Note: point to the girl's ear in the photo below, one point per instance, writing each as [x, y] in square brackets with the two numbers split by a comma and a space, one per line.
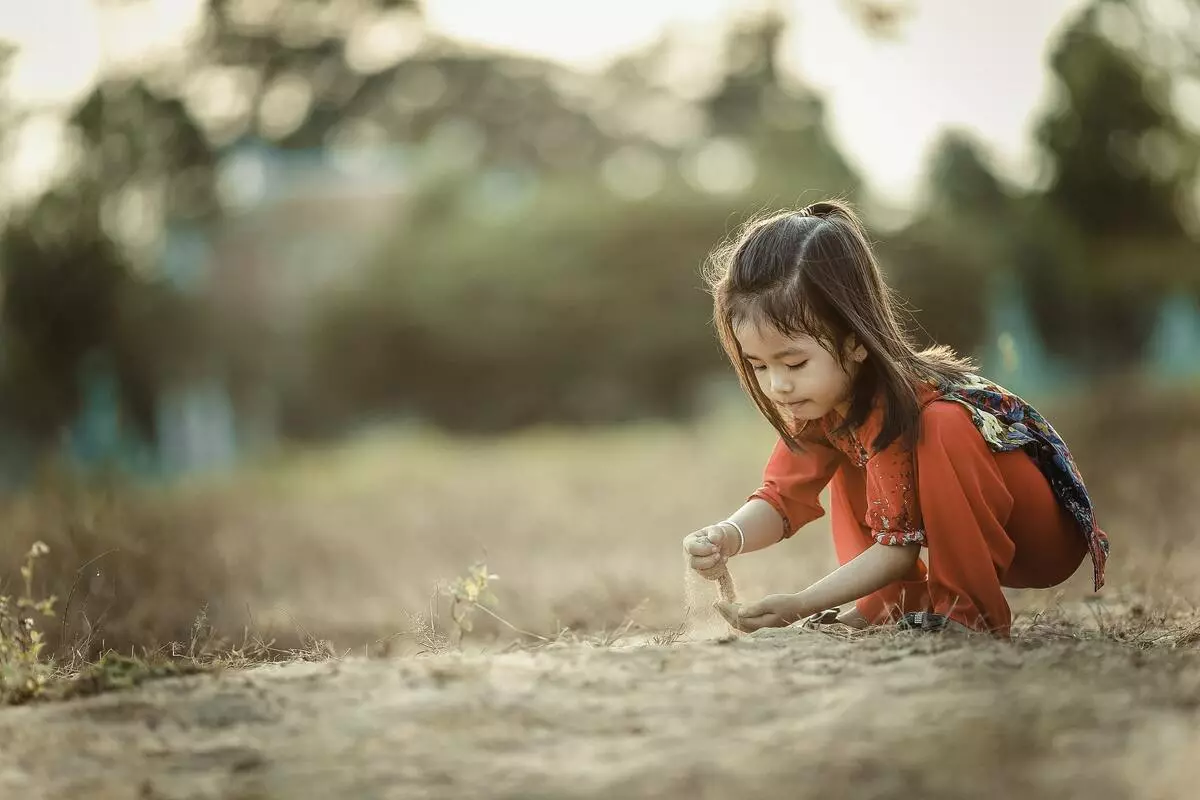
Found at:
[855, 351]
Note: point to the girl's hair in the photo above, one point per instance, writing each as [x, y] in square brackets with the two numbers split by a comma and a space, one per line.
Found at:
[812, 272]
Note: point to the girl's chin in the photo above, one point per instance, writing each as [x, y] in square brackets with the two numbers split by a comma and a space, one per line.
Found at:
[804, 411]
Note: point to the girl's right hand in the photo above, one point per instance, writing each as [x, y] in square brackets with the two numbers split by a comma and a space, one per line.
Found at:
[709, 548]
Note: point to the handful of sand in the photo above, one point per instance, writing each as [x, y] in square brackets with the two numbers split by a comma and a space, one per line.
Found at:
[725, 582]
[727, 601]
[725, 585]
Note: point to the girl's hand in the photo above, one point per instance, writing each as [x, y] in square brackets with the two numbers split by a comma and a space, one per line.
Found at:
[773, 611]
[709, 548]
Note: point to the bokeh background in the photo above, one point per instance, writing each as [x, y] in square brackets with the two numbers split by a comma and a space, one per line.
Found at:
[309, 305]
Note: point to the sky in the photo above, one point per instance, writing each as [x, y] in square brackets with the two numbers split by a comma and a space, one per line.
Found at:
[973, 65]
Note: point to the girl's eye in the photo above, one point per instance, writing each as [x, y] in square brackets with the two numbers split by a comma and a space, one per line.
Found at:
[758, 367]
[797, 366]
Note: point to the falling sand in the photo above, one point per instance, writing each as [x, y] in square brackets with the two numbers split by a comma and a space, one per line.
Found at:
[700, 618]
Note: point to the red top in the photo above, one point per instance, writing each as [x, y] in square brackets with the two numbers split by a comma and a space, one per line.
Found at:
[792, 482]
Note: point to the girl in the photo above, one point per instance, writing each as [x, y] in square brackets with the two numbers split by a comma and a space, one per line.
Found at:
[920, 451]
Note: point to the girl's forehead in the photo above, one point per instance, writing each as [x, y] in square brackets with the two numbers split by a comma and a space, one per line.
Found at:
[753, 335]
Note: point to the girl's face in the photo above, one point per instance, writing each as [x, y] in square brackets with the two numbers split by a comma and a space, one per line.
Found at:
[797, 373]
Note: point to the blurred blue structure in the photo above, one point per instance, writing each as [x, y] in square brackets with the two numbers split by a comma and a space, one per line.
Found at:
[1174, 352]
[99, 436]
[298, 220]
[1015, 356]
[197, 429]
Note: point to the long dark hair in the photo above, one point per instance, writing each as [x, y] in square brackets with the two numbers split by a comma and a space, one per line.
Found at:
[812, 272]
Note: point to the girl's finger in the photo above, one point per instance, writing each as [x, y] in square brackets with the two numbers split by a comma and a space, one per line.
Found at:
[753, 610]
[705, 562]
[701, 547]
[729, 611]
[751, 624]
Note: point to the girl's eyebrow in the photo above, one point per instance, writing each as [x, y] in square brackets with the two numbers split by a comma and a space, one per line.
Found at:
[787, 351]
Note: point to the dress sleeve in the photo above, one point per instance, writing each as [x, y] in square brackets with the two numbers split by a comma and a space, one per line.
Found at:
[793, 482]
[893, 509]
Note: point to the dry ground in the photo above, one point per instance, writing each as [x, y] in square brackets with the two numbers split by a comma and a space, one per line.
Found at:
[785, 714]
[1096, 697]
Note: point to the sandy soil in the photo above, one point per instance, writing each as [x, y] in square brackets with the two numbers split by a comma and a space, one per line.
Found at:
[786, 713]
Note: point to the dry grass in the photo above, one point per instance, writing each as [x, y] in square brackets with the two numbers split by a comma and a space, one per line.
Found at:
[346, 549]
[584, 530]
[129, 566]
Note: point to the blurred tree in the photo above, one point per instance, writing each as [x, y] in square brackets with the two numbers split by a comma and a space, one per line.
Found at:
[961, 180]
[777, 118]
[1114, 227]
[573, 303]
[881, 19]
[580, 310]
[78, 263]
[1108, 238]
[351, 73]
[153, 135]
[504, 139]
[943, 261]
[1110, 138]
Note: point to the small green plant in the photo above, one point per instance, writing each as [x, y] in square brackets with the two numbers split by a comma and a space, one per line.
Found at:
[23, 672]
[468, 593]
[472, 593]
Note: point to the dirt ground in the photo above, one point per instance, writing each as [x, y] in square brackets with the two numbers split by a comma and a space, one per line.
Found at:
[786, 713]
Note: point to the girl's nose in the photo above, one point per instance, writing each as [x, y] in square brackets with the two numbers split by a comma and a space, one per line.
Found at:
[780, 384]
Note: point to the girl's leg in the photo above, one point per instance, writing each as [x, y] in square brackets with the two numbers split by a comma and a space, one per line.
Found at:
[851, 536]
[967, 505]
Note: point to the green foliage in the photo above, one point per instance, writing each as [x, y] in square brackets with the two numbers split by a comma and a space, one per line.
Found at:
[585, 309]
[1109, 138]
[468, 593]
[1108, 239]
[23, 669]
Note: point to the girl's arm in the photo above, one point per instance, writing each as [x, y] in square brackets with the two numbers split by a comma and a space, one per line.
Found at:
[711, 546]
[792, 483]
[761, 523]
[788, 498]
[873, 569]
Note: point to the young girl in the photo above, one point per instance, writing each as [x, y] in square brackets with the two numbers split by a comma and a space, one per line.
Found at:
[920, 451]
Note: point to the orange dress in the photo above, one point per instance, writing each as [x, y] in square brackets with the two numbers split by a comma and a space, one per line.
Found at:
[989, 490]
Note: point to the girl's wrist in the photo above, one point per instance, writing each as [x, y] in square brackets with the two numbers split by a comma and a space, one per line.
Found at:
[801, 608]
[736, 536]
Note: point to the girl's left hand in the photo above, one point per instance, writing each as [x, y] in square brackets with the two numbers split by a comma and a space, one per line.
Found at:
[773, 611]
